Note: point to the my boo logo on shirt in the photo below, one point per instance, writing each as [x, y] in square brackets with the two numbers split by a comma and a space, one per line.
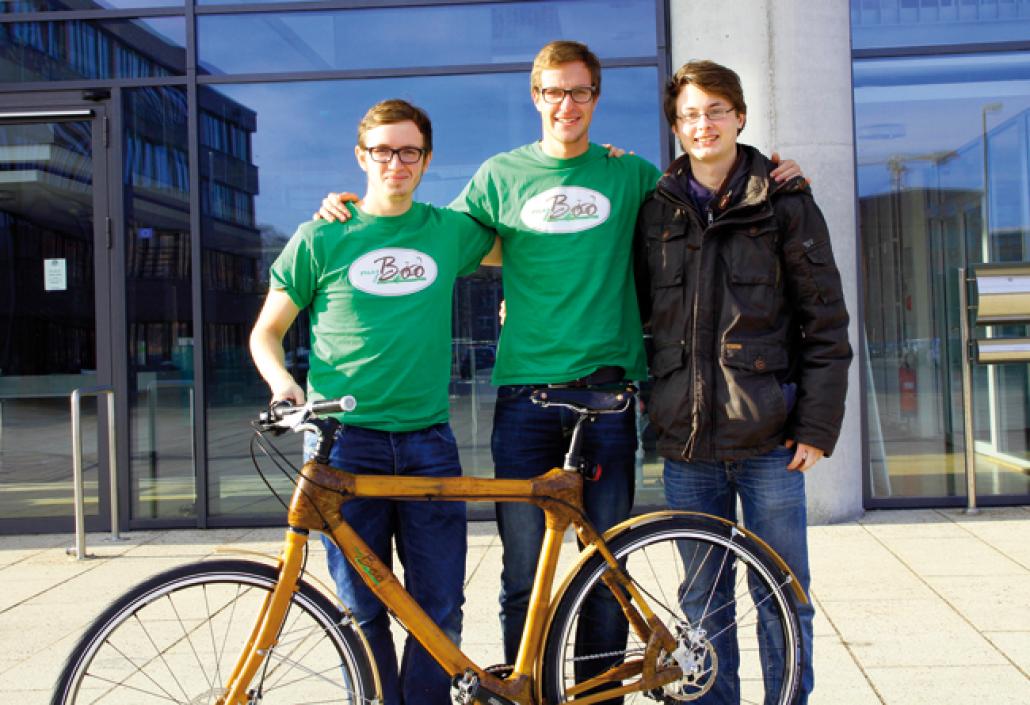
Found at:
[392, 271]
[565, 209]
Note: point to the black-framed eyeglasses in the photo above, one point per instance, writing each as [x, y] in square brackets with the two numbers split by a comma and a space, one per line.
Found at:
[692, 117]
[384, 155]
[579, 94]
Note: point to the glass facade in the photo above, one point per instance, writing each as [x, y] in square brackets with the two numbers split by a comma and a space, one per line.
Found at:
[221, 128]
[943, 183]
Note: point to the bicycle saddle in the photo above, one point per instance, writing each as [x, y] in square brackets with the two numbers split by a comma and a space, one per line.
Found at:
[586, 400]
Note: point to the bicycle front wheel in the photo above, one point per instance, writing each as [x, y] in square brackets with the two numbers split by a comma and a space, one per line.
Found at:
[176, 638]
[718, 591]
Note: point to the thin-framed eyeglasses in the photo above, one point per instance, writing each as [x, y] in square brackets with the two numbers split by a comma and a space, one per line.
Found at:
[384, 155]
[716, 114]
[579, 94]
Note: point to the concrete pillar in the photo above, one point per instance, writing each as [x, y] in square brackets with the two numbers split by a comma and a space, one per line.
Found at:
[794, 60]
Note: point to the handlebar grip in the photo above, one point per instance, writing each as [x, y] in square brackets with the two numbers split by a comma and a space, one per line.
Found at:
[332, 406]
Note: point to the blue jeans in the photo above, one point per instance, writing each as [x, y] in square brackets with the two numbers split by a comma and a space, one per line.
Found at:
[773, 502]
[431, 543]
[529, 440]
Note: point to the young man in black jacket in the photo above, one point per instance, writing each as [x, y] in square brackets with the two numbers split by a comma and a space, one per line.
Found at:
[744, 301]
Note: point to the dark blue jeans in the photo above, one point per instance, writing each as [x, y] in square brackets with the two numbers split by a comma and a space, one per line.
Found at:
[431, 544]
[527, 441]
[773, 502]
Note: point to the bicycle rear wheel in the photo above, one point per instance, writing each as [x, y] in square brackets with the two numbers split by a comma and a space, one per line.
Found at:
[720, 594]
[176, 638]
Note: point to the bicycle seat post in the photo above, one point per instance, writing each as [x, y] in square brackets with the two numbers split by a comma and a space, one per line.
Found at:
[573, 460]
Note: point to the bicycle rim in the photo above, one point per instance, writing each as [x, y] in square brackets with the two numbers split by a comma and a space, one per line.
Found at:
[177, 637]
[719, 594]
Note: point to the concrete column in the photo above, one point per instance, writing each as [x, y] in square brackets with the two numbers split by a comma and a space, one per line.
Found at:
[794, 59]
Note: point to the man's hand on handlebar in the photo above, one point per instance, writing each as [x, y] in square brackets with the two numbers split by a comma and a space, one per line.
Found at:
[290, 392]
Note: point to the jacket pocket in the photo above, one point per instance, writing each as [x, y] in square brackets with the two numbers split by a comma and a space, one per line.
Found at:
[754, 356]
[750, 408]
[666, 248]
[822, 270]
[753, 257]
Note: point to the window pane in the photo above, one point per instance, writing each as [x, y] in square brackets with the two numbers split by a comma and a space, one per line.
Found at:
[278, 148]
[419, 36]
[159, 304]
[48, 322]
[16, 6]
[923, 129]
[900, 23]
[88, 49]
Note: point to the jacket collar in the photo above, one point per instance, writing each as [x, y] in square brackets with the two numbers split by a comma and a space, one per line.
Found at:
[748, 184]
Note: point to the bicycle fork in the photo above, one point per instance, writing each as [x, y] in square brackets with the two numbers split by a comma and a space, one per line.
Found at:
[269, 620]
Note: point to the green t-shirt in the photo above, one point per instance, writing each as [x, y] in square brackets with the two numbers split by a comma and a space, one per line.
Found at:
[378, 291]
[567, 228]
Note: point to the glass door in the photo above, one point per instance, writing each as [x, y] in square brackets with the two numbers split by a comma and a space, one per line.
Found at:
[53, 276]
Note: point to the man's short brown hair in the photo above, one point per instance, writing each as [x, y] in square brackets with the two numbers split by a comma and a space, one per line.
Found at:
[709, 77]
[390, 112]
[564, 52]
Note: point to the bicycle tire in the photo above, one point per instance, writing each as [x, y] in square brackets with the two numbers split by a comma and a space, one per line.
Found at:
[675, 561]
[176, 637]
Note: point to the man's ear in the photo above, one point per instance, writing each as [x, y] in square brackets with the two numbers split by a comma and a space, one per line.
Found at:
[425, 161]
[360, 154]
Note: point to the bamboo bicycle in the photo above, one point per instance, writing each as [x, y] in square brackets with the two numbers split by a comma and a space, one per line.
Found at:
[236, 632]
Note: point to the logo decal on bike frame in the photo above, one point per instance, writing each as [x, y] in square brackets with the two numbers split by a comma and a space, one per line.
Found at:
[369, 566]
[392, 271]
[565, 209]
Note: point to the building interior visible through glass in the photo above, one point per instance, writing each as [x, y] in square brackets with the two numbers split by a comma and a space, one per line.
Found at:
[267, 151]
[943, 160]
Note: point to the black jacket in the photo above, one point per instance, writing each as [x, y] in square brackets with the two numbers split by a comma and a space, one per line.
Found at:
[742, 303]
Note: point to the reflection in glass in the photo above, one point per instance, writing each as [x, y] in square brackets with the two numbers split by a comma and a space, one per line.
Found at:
[47, 316]
[159, 304]
[943, 183]
[16, 6]
[278, 148]
[71, 50]
[420, 36]
[899, 23]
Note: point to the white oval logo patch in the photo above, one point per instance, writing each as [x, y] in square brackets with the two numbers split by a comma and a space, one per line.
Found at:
[392, 271]
[565, 209]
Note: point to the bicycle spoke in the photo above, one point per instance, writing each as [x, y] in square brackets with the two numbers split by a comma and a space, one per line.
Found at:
[158, 647]
[718, 602]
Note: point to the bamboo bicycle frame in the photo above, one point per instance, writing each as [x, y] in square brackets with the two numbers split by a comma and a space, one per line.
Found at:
[316, 506]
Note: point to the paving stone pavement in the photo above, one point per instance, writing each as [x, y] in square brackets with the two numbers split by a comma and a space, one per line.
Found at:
[913, 606]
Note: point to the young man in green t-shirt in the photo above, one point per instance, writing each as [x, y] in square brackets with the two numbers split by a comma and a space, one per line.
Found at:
[378, 292]
[564, 213]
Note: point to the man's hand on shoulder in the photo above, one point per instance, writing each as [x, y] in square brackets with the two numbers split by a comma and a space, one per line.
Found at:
[614, 151]
[334, 207]
[786, 169]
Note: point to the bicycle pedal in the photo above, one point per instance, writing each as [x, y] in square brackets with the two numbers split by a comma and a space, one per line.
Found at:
[466, 690]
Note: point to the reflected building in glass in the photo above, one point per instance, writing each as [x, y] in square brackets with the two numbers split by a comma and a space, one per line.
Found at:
[156, 155]
[942, 104]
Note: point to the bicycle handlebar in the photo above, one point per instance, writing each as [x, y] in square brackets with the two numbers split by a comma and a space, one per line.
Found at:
[284, 416]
